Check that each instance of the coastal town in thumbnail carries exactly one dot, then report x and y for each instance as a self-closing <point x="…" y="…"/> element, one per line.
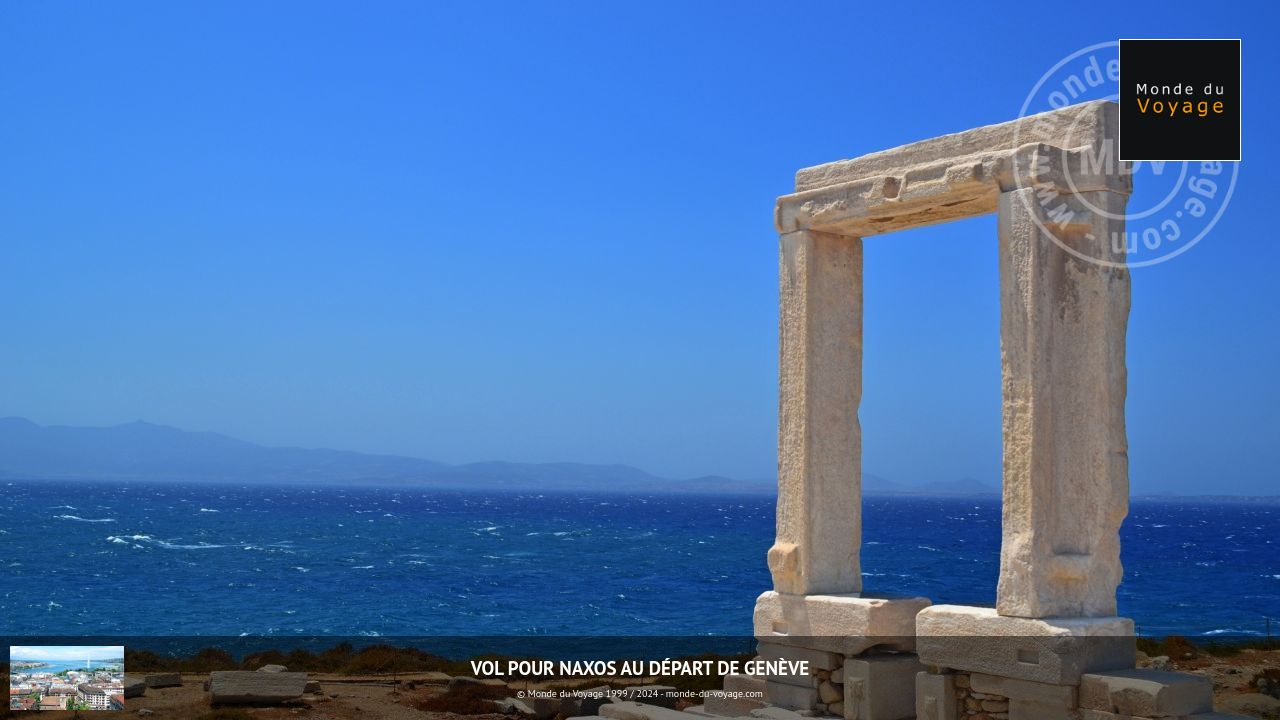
<point x="66" y="677"/>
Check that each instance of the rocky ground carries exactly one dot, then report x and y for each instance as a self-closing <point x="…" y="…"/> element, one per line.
<point x="1236" y="677"/>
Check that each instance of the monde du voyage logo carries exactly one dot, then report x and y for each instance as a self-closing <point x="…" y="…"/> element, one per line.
<point x="1180" y="100"/>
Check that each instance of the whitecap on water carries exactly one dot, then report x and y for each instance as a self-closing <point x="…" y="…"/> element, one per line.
<point x="80" y="519"/>
<point x="167" y="545"/>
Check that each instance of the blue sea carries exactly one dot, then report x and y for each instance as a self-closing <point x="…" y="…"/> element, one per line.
<point x="57" y="666"/>
<point x="96" y="558"/>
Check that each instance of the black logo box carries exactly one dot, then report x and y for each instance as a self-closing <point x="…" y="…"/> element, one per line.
<point x="1187" y="68"/>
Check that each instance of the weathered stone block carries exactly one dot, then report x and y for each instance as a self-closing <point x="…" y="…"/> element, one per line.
<point x="841" y="624"/>
<point x="465" y="681"/>
<point x="726" y="706"/>
<point x="791" y="697"/>
<point x="240" y="687"/>
<point x="776" y="713"/>
<point x="164" y="680"/>
<point x="593" y="698"/>
<point x="1086" y="714"/>
<point x="744" y="684"/>
<point x="660" y="695"/>
<point x="431" y="678"/>
<point x="628" y="710"/>
<point x="1056" y="651"/>
<point x="935" y="697"/>
<point x="514" y="706"/>
<point x="1036" y="710"/>
<point x="545" y="708"/>
<point x="881" y="687"/>
<point x="134" y="687"/>
<point x="1147" y="693"/>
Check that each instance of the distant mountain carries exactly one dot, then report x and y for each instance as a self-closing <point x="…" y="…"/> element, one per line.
<point x="144" y="451"/>
<point x="963" y="486"/>
<point x="876" y="485"/>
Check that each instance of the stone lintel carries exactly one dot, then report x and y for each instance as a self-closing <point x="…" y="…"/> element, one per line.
<point x="1056" y="651"/>
<point x="949" y="189"/>
<point x="1085" y="124"/>
<point x="844" y="624"/>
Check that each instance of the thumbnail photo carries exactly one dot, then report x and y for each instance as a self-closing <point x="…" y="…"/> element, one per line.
<point x="66" y="677"/>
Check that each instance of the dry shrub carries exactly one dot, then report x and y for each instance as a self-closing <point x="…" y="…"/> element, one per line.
<point x="464" y="700"/>
<point x="1178" y="647"/>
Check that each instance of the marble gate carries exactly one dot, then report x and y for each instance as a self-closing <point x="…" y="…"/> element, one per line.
<point x="1053" y="645"/>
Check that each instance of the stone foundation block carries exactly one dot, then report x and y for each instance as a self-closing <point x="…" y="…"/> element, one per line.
<point x="1036" y="710"/>
<point x="881" y="687"/>
<point x="627" y="710"/>
<point x="1086" y="714"/>
<point x="935" y="697"/>
<point x="791" y="697"/>
<point x="725" y="706"/>
<point x="1146" y="693"/>
<point x="1056" y="651"/>
<point x="744" y="684"/>
<point x="1059" y="695"/>
<point x="776" y="713"/>
<point x="660" y="695"/>
<point x="844" y="624"/>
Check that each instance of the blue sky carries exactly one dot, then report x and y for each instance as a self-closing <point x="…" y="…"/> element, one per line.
<point x="66" y="653"/>
<point x="543" y="231"/>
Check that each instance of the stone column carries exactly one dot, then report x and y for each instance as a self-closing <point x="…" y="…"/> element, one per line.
<point x="819" y="442"/>
<point x="1062" y="346"/>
